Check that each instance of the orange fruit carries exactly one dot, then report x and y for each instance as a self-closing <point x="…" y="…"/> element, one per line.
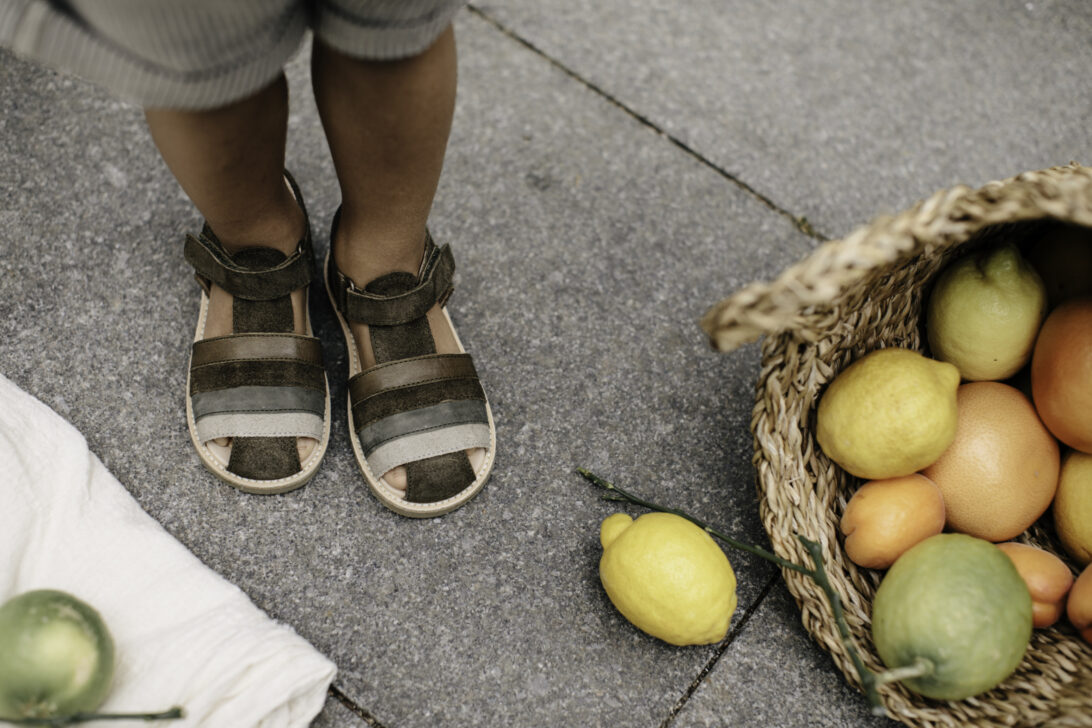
<point x="1001" y="471"/>
<point x="886" y="517"/>
<point x="1061" y="373"/>
<point x="1079" y="605"/>
<point x="1047" y="577"/>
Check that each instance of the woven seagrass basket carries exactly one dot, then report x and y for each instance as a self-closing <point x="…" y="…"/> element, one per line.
<point x="850" y="297"/>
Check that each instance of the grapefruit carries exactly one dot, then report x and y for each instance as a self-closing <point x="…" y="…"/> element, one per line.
<point x="1001" y="470"/>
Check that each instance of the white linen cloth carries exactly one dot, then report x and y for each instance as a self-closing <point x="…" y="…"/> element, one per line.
<point x="183" y="635"/>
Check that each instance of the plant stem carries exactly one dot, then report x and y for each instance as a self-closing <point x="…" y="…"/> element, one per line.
<point x="920" y="666"/>
<point x="632" y="498"/>
<point x="63" y="720"/>
<point x="869" y="680"/>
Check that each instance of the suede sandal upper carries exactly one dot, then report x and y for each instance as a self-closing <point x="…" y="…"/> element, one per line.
<point x="262" y="385"/>
<point x="414" y="408"/>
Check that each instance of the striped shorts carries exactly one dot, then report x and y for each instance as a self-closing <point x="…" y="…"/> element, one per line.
<point x="195" y="54"/>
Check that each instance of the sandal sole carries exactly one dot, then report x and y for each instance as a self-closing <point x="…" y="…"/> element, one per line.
<point x="388" y="496"/>
<point x="250" y="485"/>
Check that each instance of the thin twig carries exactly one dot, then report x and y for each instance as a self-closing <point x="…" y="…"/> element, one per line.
<point x="869" y="680"/>
<point x="62" y="720"/>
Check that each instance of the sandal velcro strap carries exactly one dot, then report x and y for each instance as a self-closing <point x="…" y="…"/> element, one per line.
<point x="207" y="256"/>
<point x="434" y="286"/>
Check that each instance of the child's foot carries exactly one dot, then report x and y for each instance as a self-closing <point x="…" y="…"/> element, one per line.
<point x="366" y="269"/>
<point x="258" y="403"/>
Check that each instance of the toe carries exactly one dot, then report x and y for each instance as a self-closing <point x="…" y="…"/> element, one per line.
<point x="305" y="446"/>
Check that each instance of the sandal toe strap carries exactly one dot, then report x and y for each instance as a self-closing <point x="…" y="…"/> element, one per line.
<point x="258" y="385"/>
<point x="419" y="408"/>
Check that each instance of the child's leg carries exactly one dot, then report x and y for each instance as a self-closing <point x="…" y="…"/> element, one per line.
<point x="230" y="162"/>
<point x="387" y="123"/>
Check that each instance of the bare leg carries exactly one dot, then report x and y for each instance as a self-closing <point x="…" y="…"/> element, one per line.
<point x="230" y="162"/>
<point x="387" y="123"/>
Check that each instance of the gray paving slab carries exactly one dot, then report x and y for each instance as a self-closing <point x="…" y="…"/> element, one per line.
<point x="838" y="110"/>
<point x="774" y="675"/>
<point x="587" y="245"/>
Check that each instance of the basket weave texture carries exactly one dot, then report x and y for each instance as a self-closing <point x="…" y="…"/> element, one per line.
<point x="850" y="297"/>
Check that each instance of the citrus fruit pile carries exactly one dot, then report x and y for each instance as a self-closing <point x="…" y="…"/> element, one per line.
<point x="969" y="448"/>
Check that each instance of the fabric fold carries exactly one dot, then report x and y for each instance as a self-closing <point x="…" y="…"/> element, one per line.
<point x="184" y="635"/>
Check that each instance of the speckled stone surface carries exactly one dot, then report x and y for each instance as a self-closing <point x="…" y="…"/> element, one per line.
<point x="838" y="110"/>
<point x="336" y="715"/>
<point x="774" y="675"/>
<point x="588" y="245"/>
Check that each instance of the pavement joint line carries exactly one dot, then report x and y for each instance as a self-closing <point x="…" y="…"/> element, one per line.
<point x="800" y="222"/>
<point x="352" y="707"/>
<point x="721" y="649"/>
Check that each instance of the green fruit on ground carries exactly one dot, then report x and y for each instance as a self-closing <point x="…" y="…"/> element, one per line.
<point x="958" y="603"/>
<point x="888" y="414"/>
<point x="984" y="312"/>
<point x="667" y="577"/>
<point x="56" y="656"/>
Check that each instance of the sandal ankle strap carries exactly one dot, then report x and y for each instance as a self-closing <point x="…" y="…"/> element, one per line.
<point x="213" y="264"/>
<point x="434" y="286"/>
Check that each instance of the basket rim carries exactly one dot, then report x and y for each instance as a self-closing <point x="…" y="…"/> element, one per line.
<point x="797" y="297"/>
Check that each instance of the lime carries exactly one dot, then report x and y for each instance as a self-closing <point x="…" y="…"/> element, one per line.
<point x="888" y="414"/>
<point x="667" y="577"/>
<point x="984" y="313"/>
<point x="56" y="656"/>
<point x="958" y="603"/>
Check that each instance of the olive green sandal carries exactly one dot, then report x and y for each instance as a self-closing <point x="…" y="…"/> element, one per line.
<point x="263" y="385"/>
<point x="415" y="408"/>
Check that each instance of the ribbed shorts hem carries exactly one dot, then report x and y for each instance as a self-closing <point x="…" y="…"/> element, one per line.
<point x="216" y="73"/>
<point x="364" y="36"/>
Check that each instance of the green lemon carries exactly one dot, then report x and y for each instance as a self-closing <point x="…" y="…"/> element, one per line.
<point x="958" y="603"/>
<point x="667" y="577"/>
<point x="56" y="656"/>
<point x="888" y="414"/>
<point x="984" y="313"/>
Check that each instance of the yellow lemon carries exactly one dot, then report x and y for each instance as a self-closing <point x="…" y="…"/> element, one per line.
<point x="667" y="577"/>
<point x="888" y="414"/>
<point x="1073" y="506"/>
<point x="984" y="313"/>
